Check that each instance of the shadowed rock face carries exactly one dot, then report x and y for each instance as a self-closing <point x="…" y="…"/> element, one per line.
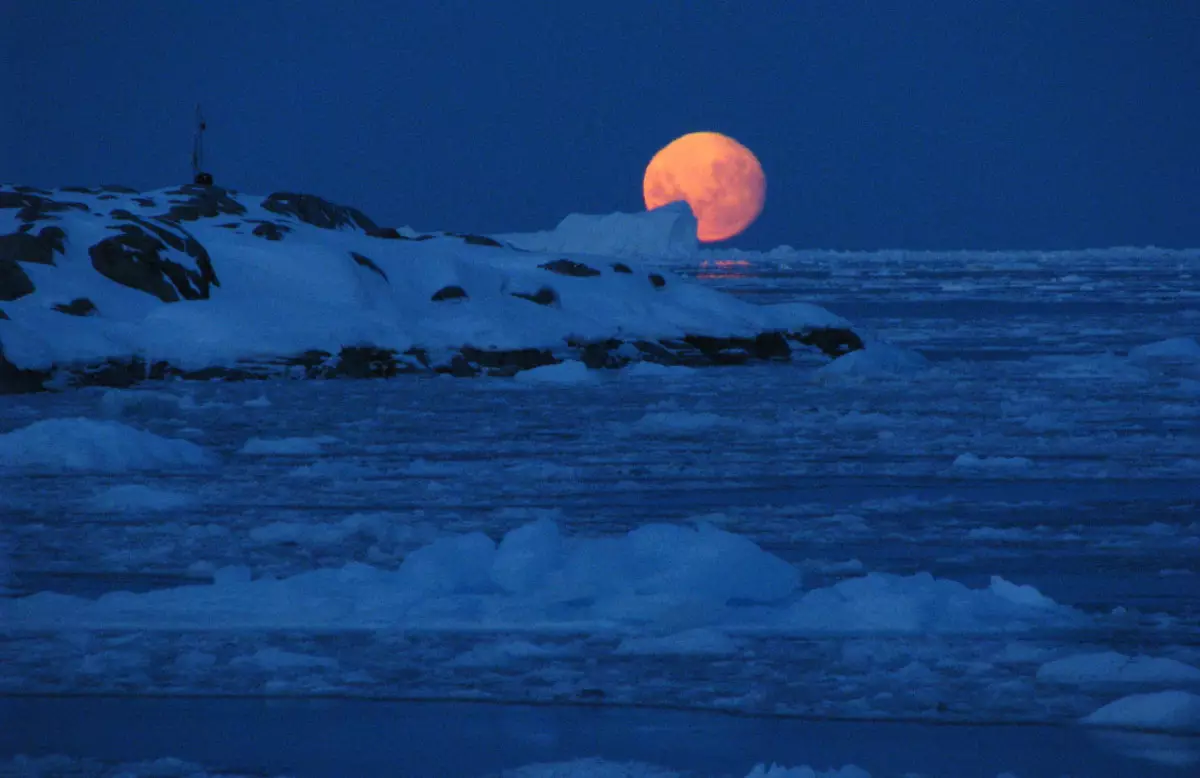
<point x="271" y="230"/>
<point x="80" y="306"/>
<point x="368" y="264"/>
<point x="543" y="296"/>
<point x="449" y="293"/>
<point x="24" y="246"/>
<point x="318" y="212"/>
<point x="34" y="207"/>
<point x="14" y="282"/>
<point x="833" y="341"/>
<point x="621" y="267"/>
<point x="565" y="267"/>
<point x="203" y="202"/>
<point x="658" y="281"/>
<point x="135" y="258"/>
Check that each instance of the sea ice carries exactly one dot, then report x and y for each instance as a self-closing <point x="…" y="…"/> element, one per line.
<point x="1112" y="667"/>
<point x="132" y="498"/>
<point x="89" y="444"/>
<point x="1169" y="711"/>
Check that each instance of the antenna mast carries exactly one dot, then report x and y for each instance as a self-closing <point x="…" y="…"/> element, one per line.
<point x="198" y="175"/>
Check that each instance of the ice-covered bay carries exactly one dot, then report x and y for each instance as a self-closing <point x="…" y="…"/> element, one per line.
<point x="1041" y="444"/>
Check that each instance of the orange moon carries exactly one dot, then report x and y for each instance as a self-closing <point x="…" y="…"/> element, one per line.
<point x="718" y="177"/>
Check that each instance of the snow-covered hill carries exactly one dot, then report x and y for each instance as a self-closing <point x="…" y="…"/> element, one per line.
<point x="110" y="286"/>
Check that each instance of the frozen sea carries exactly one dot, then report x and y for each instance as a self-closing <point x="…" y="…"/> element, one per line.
<point x="927" y="566"/>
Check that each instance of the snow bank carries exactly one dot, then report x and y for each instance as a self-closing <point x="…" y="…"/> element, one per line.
<point x="88" y="444"/>
<point x="692" y="642"/>
<point x="666" y="232"/>
<point x="1111" y="667"/>
<point x="658" y="580"/>
<point x="1173" y="711"/>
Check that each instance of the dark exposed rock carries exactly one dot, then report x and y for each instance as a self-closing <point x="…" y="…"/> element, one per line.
<point x="24" y="189"/>
<point x="203" y="202"/>
<point x="423" y="237"/>
<point x="449" y="293"/>
<point x="3" y="315"/>
<point x="14" y="282"/>
<point x="600" y="354"/>
<point x="731" y="351"/>
<point x="229" y="225"/>
<point x="520" y="359"/>
<point x="368" y="264"/>
<point x="107" y="197"/>
<point x="80" y="190"/>
<point x="658" y="281"/>
<point x="135" y="259"/>
<point x="118" y="189"/>
<point x="15" y="380"/>
<point x="565" y="267"/>
<point x="35" y="208"/>
<point x="621" y="267"/>
<point x="80" y="306"/>
<point x="543" y="296"/>
<point x="477" y="240"/>
<point x="145" y="202"/>
<point x="22" y="246"/>
<point x="833" y="341"/>
<point x="318" y="212"/>
<point x="271" y="230"/>
<point x="387" y="233"/>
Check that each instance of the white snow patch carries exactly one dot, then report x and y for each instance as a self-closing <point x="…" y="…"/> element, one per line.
<point x="89" y="444"/>
<point x="1111" y="667"/>
<point x="262" y="401"/>
<point x="1170" y="711"/>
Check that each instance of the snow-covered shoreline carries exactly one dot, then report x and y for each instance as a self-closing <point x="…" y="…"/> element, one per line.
<point x="109" y="286"/>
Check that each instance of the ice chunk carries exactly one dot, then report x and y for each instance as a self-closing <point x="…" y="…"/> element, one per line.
<point x="883" y="602"/>
<point x="568" y="372"/>
<point x="876" y="360"/>
<point x="286" y="446"/>
<point x="1171" y="711"/>
<point x="1173" y="349"/>
<point x="1111" y="667"/>
<point x="88" y="444"/>
<point x="666" y="232"/>
<point x="969" y="461"/>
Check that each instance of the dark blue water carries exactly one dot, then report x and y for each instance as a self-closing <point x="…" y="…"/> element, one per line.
<point x="340" y="738"/>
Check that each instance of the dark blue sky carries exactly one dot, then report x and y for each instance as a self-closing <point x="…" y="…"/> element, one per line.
<point x="989" y="124"/>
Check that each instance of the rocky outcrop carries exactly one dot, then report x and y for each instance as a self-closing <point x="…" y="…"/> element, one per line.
<point x="565" y="267"/>
<point x="160" y="259"/>
<point x="318" y="212"/>
<point x="14" y="282"/>
<point x="368" y="361"/>
<point x="202" y="202"/>
<point x="145" y="248"/>
<point x="366" y="262"/>
<point x="543" y="296"/>
<point x="80" y="306"/>
<point x="449" y="293"/>
<point x="24" y="246"/>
